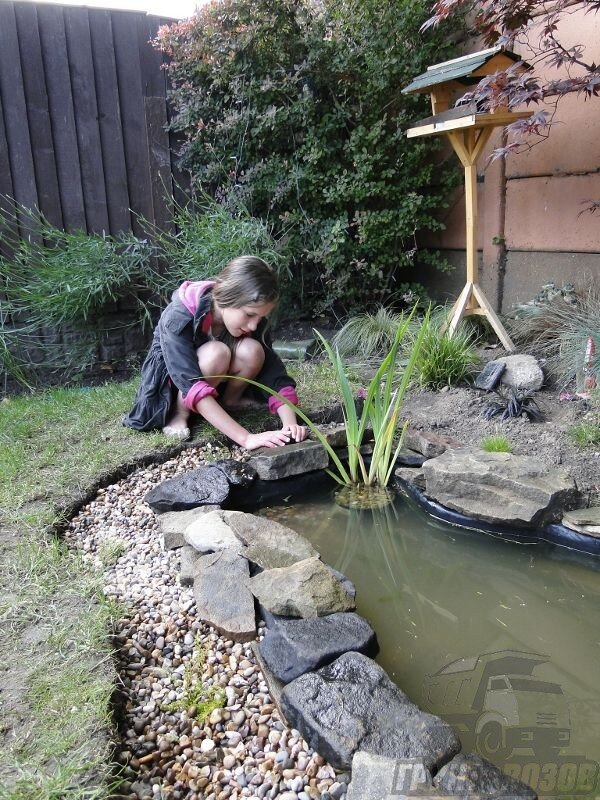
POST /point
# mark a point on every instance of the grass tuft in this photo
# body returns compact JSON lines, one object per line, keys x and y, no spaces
{"x":496,"y":444}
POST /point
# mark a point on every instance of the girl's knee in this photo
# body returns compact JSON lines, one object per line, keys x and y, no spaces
{"x":248,"y":358}
{"x":214,"y":357}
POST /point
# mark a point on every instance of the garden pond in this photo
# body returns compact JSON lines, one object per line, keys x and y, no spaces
{"x":500,"y":639}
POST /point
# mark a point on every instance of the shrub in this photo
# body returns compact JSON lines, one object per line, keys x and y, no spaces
{"x":445,"y":360}
{"x":296,"y":109}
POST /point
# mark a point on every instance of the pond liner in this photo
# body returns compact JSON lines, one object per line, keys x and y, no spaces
{"x":555,"y":533}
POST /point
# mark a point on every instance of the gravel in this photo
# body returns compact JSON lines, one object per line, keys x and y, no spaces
{"x":240,"y":750}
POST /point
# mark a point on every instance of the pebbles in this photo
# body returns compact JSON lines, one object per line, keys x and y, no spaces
{"x":165,"y":655}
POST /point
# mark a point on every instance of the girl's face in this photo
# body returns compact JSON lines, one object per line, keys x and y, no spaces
{"x":244,"y":320}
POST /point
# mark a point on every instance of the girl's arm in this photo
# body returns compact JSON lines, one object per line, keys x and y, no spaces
{"x":216,"y":415}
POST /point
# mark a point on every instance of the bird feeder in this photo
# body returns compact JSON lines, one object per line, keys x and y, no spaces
{"x":468,"y":131}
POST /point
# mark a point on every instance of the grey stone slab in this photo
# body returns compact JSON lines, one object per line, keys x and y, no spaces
{"x":352,"y":705}
{"x":267,"y":543}
{"x":490,"y":375}
{"x":187,"y":565}
{"x":306,"y":589}
{"x":273,"y":463}
{"x":294,"y":349}
{"x":172,"y":525}
{"x":208,"y":533}
{"x":198,"y":487}
{"x":583,"y":516}
{"x":292,"y":647}
{"x":388,"y":778}
{"x":274,"y":685}
{"x":500,"y":487}
{"x":411,"y":475}
{"x":222,"y":597}
{"x":470,"y":776}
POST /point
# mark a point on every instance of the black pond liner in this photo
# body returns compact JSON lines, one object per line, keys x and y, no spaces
{"x":555,"y":533}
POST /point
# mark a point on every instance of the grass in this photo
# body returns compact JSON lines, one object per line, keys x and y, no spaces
{"x":54,"y":621}
{"x":368,"y":335}
{"x":496,"y":444}
{"x":445,"y":360}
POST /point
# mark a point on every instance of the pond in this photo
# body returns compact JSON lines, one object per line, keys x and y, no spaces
{"x":500,"y":639}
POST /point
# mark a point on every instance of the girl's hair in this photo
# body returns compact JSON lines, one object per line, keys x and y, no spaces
{"x":247,"y":279}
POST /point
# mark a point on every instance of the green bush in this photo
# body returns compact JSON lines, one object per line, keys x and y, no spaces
{"x":295,"y":108}
{"x":446,"y":360}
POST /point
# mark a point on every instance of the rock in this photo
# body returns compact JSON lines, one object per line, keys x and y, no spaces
{"x":429,"y":444}
{"x":210,"y":532}
{"x":381,"y":777}
{"x":266,"y":542}
{"x":172,"y":524}
{"x":292,"y":647}
{"x":237,"y":473}
{"x":351,"y":704}
{"x":499,"y":487}
{"x":222,"y":597}
{"x":411,"y":475}
{"x":306,"y":589}
{"x":522,"y":373}
{"x":274,"y":685}
{"x":346,"y":582}
{"x":410,"y":458}
{"x":273,"y":463}
{"x":584,"y":520}
{"x":490,"y":375}
{"x":295,"y":349}
{"x":334,"y":434}
{"x":187,"y":569}
{"x":472,"y":776}
{"x":198,"y":487}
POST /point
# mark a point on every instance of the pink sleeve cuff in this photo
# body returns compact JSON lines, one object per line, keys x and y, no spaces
{"x":288,"y":392}
{"x":198,"y":392}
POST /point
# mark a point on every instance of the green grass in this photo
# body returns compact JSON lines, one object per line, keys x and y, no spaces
{"x":496,"y":444}
{"x":586,"y":433}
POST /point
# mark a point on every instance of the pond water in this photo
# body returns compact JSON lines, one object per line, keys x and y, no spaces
{"x":500,"y":639}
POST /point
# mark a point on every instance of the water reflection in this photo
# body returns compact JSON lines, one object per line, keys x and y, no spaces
{"x":436,"y":594}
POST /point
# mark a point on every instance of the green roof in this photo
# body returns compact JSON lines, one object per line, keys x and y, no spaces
{"x":459,"y":69}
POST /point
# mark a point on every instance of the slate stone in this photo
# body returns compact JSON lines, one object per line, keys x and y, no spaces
{"x":238,"y":473}
{"x":187,"y":565}
{"x":499,"y":487}
{"x":292,"y":647}
{"x":198,"y":487}
{"x":490,"y":375}
{"x":411,"y":475}
{"x":222,"y":597}
{"x":410,"y":458}
{"x":274,"y":685}
{"x":172,"y":524}
{"x":469,"y":776}
{"x":306,"y":589}
{"x":582,"y":517}
{"x":267,"y":543}
{"x":382,"y":778}
{"x":273,"y":463}
{"x":352,"y":705}
{"x":523,"y":373}
{"x":429,"y":444}
{"x":209,"y":533}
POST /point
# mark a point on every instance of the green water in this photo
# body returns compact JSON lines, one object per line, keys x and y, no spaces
{"x":435,"y":594}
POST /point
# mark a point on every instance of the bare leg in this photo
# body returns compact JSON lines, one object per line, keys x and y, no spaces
{"x":213,"y":359}
{"x":247,"y":362}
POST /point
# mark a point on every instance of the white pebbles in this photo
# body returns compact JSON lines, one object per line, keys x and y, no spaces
{"x":163,"y":654}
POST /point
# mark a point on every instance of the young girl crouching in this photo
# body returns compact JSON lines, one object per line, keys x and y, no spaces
{"x":212,"y":329}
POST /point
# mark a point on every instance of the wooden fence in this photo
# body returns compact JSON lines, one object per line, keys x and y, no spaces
{"x":82,"y":116}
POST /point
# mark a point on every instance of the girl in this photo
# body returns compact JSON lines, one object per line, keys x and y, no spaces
{"x":216,"y":328}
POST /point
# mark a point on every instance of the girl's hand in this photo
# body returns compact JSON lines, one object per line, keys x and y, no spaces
{"x":266,"y":439}
{"x":297,"y":433}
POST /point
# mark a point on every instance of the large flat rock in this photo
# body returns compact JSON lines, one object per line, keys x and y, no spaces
{"x":273,"y":463}
{"x":209,"y":533}
{"x":172,"y":524}
{"x":352,"y":705}
{"x":306,"y":589}
{"x":292,"y":647}
{"x":468,"y":775}
{"x":267,"y":543}
{"x":384,"y":778}
{"x":499,"y":487}
{"x":222,"y":597}
{"x":198,"y":487}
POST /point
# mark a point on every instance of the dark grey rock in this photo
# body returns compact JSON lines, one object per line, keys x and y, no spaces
{"x":410,"y":458}
{"x":306,"y":589}
{"x":222,"y":597}
{"x":238,"y":473}
{"x":381,"y":778}
{"x":198,"y":487}
{"x":187,"y":565}
{"x":499,"y":487}
{"x":172,"y":525}
{"x":352,"y":705}
{"x":267,"y":543}
{"x":274,"y":685}
{"x":273,"y":463}
{"x":469,"y":776}
{"x":490,"y":375}
{"x":292,"y":647}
